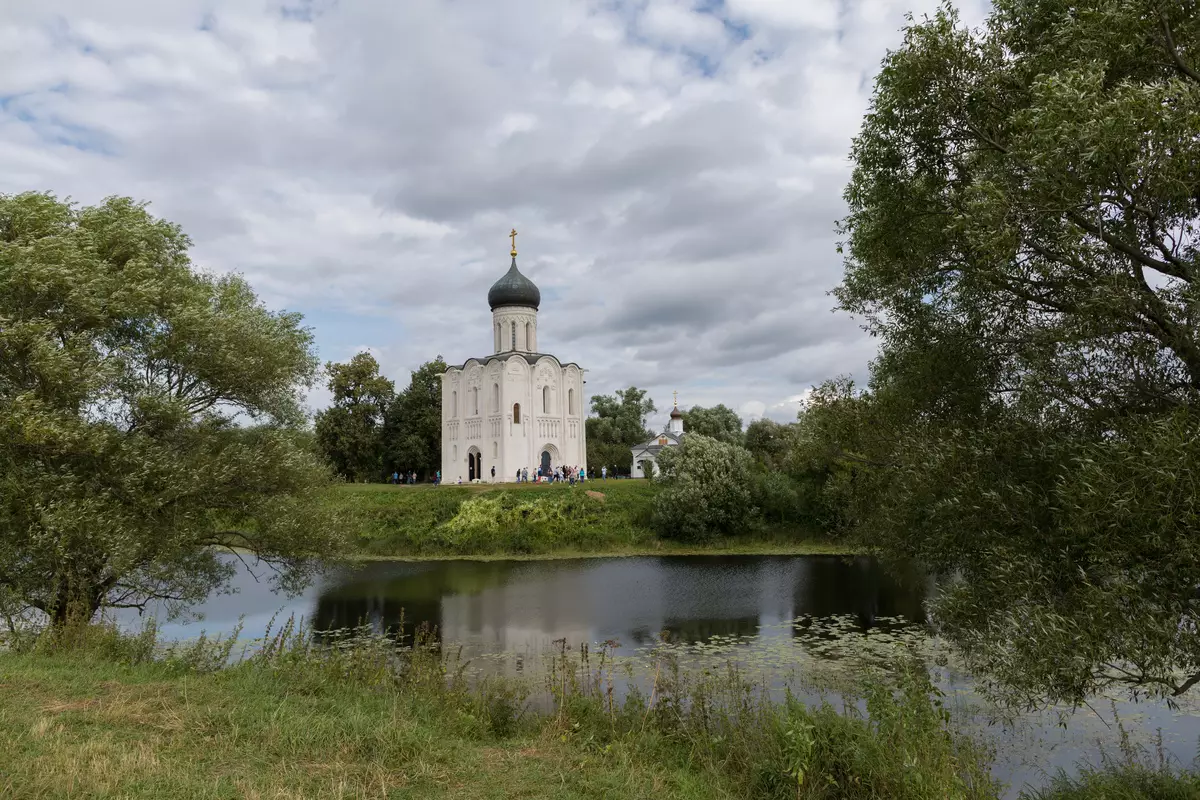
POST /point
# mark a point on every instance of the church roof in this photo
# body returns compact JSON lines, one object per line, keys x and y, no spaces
{"x":653,"y":446}
{"x":514,"y":289}
{"x":531,"y":358}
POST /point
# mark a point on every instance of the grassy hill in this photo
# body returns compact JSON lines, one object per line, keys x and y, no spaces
{"x":526,"y":519}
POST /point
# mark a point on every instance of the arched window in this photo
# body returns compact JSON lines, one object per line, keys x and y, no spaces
{"x":516,"y":413}
{"x":529,"y":336}
{"x":497,"y":337}
{"x":453,"y":405}
{"x":571,"y":402}
{"x":456,"y":452}
{"x":514,"y":336}
{"x":495,"y":449}
{"x":495,"y":397}
{"x":545,"y":399}
{"x":475,"y":398}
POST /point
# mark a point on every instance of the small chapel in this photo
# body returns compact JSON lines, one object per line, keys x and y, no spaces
{"x":645,"y":455}
{"x":516,"y":409}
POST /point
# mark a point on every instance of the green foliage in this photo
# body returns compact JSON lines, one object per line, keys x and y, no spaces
{"x":350,"y":432}
{"x":776,"y":496}
{"x":412,"y":427}
{"x":719,"y":422}
{"x":768,"y":442}
{"x":530,"y":520}
{"x":1022,"y":240}
{"x":706,"y":490}
{"x":121,"y":373}
{"x":617,"y":424}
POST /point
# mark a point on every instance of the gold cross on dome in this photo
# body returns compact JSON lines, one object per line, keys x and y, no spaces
{"x":513,"y":236}
{"x":677,"y":398}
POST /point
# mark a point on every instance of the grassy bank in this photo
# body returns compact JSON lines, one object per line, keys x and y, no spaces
{"x":113,"y":719}
{"x":530,"y":520}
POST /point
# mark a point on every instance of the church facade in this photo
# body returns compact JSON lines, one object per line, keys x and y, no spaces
{"x":516,"y":408}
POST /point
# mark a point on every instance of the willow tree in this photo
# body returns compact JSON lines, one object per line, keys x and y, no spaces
{"x":1022,"y":238}
{"x":124,"y":375}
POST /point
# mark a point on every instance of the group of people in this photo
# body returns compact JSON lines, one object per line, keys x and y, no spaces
{"x":556,"y":475}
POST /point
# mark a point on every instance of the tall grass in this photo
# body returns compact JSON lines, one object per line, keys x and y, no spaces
{"x":713,"y":733}
{"x":1133,"y":774}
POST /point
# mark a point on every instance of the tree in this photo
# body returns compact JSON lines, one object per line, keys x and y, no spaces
{"x":768,"y":441}
{"x":122,"y":370}
{"x":718,"y":422}
{"x":350,"y":432}
{"x":412,"y":427}
{"x":619,"y":423}
{"x":705,"y":490}
{"x":1022,"y":239}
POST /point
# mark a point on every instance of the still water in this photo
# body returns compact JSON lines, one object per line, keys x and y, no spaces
{"x":743,"y":605}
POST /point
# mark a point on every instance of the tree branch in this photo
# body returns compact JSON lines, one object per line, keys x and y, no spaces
{"x":1180,"y":64}
{"x":1188,"y":684}
{"x":1165,"y":267}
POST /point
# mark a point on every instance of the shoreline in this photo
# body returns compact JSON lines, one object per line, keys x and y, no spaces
{"x":797,"y":549}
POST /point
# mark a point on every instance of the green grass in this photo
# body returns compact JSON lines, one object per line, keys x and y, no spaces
{"x":110,"y":716}
{"x":529,"y":520}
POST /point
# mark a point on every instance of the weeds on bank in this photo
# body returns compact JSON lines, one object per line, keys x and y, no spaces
{"x":1133,"y":774}
{"x":717,"y":726}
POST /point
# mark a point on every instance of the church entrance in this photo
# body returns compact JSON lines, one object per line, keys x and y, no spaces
{"x":474,"y":464}
{"x":545,"y":462}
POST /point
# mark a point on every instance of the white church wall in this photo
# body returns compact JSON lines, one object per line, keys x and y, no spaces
{"x":520,"y":321}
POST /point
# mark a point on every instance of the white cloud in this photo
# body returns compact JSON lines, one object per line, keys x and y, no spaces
{"x":674,"y":172}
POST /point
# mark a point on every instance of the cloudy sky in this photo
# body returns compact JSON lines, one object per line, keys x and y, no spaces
{"x":674,"y":167}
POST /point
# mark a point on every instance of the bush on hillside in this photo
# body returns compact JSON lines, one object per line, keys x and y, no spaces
{"x":776,"y":496}
{"x":706,"y":490}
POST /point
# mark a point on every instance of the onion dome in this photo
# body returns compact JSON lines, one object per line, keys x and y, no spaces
{"x":676,"y":413}
{"x":514,"y":289}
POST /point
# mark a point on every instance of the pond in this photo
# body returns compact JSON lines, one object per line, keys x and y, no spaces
{"x":509,"y":614}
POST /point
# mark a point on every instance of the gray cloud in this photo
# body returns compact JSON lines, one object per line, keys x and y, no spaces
{"x":675,"y":172}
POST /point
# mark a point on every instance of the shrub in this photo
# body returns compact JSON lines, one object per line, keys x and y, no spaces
{"x":706,"y":491}
{"x":776,"y":496}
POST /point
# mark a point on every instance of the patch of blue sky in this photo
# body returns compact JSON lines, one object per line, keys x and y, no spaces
{"x":304,"y":10}
{"x":67,"y":134}
{"x":705,"y":64}
{"x":339,"y":334}
{"x":53,"y":130}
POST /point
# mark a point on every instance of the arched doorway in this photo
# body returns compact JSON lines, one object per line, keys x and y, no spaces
{"x":549,"y":458}
{"x":647,"y":468}
{"x":474,"y":464}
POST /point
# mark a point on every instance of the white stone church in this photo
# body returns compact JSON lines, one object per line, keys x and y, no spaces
{"x":515,"y":409}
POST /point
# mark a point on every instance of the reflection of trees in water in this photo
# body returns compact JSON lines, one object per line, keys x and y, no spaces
{"x":859,"y":586}
{"x":697,"y":599}
{"x":396,"y":617}
{"x":398,"y":598}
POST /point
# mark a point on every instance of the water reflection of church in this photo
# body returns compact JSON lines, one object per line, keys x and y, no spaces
{"x":524,"y":607}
